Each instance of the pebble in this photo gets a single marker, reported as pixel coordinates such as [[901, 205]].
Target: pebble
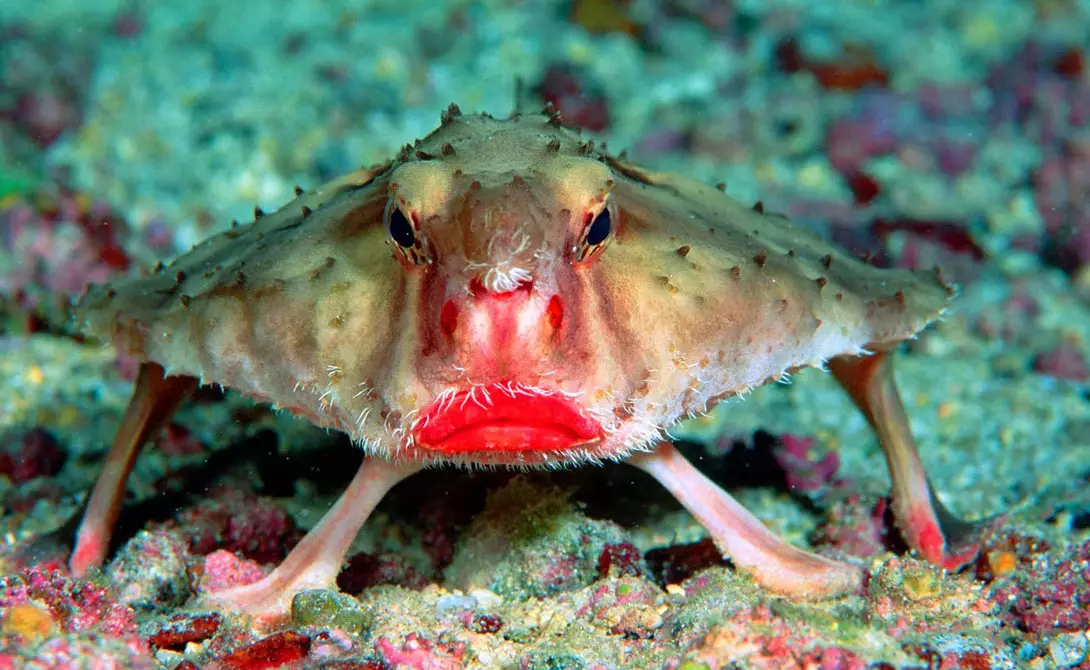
[[1068, 650], [321, 607]]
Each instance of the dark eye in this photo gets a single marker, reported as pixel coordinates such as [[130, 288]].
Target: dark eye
[[599, 229], [401, 230]]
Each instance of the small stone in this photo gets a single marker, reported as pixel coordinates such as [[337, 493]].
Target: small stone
[[183, 630], [531, 540], [224, 570], [921, 581], [284, 649], [1068, 650], [30, 621], [550, 659], [34, 454], [321, 607], [152, 569]]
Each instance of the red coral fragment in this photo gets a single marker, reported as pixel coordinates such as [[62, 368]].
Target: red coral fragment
[[176, 440], [951, 235], [864, 187], [676, 563], [64, 240], [181, 630], [849, 77], [1070, 64], [851, 142], [788, 56], [487, 623], [45, 115], [1051, 594], [1064, 361], [366, 570], [857, 70], [223, 570], [419, 652], [563, 87], [76, 605], [255, 527], [808, 469], [35, 454], [856, 528], [619, 559], [274, 651]]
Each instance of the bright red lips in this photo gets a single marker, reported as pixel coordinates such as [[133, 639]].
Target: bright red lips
[[501, 422]]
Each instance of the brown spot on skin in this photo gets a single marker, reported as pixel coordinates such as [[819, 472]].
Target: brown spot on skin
[[759, 207], [185, 300], [826, 261], [900, 297], [307, 211], [179, 277], [735, 273], [447, 149], [298, 190], [821, 281], [839, 295], [722, 186], [683, 251], [258, 212], [424, 156], [317, 272], [760, 259], [623, 411], [553, 146]]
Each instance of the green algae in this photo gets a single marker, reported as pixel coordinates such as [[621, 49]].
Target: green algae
[[531, 540], [330, 609]]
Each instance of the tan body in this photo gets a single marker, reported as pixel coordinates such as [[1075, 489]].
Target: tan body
[[503, 293]]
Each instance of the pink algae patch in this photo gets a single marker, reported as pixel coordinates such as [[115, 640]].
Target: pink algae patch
[[224, 570]]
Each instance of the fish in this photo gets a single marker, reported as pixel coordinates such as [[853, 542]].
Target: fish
[[505, 293]]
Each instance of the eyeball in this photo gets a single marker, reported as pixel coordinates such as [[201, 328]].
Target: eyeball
[[401, 230], [404, 231], [599, 225]]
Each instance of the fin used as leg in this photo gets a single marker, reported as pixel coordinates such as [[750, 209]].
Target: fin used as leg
[[315, 562], [927, 526], [742, 537], [155, 397]]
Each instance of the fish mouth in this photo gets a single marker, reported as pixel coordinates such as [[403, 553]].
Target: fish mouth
[[495, 419]]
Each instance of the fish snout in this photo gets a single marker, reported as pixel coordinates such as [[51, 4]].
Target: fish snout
[[502, 330]]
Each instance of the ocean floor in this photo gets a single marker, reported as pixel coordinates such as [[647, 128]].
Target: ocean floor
[[922, 133]]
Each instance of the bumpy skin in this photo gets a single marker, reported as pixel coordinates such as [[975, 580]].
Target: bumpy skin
[[504, 294], [693, 297]]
